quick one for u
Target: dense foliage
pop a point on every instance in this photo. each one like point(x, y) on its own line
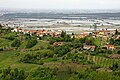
point(9, 74)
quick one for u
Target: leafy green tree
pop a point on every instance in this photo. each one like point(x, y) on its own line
point(112, 41)
point(114, 66)
point(9, 74)
point(108, 51)
point(16, 43)
point(61, 50)
point(67, 38)
point(117, 42)
point(118, 52)
point(31, 43)
point(27, 58)
point(40, 62)
point(43, 74)
point(63, 34)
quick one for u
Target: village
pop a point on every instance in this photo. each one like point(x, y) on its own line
point(98, 49)
point(104, 34)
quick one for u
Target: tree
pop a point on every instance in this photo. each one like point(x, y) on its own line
point(9, 74)
point(95, 26)
point(112, 41)
point(40, 62)
point(16, 43)
point(67, 38)
point(31, 43)
point(63, 34)
point(118, 52)
point(21, 75)
point(114, 66)
point(73, 34)
point(43, 74)
point(61, 50)
point(116, 32)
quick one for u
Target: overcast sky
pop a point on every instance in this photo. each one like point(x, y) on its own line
point(61, 4)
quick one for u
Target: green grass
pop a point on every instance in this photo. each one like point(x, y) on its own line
point(23, 44)
point(10, 59)
point(6, 58)
point(98, 41)
point(41, 45)
point(5, 42)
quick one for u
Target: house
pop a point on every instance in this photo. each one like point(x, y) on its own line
point(37, 32)
point(42, 32)
point(17, 30)
point(118, 37)
point(25, 31)
point(100, 33)
point(79, 36)
point(89, 47)
point(32, 31)
point(110, 47)
point(55, 34)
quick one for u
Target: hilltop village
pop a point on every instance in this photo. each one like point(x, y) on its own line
point(48, 54)
point(104, 37)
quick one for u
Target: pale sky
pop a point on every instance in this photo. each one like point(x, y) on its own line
point(61, 4)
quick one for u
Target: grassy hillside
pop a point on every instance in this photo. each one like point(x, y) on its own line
point(24, 57)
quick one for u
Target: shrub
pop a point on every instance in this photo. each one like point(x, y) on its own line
point(16, 43)
point(1, 49)
point(43, 74)
point(9, 74)
point(31, 43)
point(40, 62)
point(118, 52)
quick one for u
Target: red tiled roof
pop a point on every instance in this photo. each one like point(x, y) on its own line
point(110, 45)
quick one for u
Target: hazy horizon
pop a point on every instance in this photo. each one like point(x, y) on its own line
point(60, 4)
